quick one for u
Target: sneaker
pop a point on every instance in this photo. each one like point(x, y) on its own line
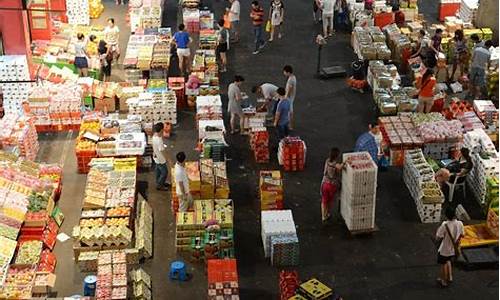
point(262, 46)
point(255, 52)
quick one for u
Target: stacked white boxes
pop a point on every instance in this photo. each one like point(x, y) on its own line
point(358, 193)
point(485, 161)
point(425, 191)
point(276, 223)
point(154, 107)
point(78, 12)
point(14, 68)
point(468, 10)
point(209, 116)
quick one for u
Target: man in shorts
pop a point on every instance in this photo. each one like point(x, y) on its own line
point(182, 40)
point(182, 183)
point(480, 63)
point(222, 45)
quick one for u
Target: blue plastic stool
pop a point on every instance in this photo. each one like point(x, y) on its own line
point(178, 271)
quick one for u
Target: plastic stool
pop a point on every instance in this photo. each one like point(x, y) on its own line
point(178, 271)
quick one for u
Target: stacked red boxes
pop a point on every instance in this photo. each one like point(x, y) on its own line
point(383, 19)
point(448, 8)
point(289, 283)
point(222, 279)
point(177, 84)
point(259, 142)
point(292, 154)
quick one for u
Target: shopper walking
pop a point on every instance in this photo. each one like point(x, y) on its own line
point(234, 18)
point(327, 6)
point(449, 234)
point(330, 182)
point(370, 142)
point(340, 15)
point(182, 183)
point(460, 54)
point(436, 41)
point(317, 11)
point(283, 112)
point(477, 41)
point(112, 38)
point(257, 16)
point(182, 41)
point(81, 57)
point(276, 15)
point(160, 157)
point(105, 59)
point(426, 86)
point(234, 103)
point(222, 45)
point(480, 63)
point(291, 90)
point(268, 92)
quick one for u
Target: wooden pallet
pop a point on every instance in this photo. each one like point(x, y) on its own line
point(364, 231)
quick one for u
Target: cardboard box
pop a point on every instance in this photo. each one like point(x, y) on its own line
point(105, 105)
point(44, 287)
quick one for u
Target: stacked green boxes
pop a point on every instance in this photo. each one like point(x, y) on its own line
point(491, 190)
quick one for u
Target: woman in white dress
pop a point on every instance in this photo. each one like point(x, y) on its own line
point(276, 15)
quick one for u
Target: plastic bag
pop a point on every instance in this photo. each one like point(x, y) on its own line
point(268, 26)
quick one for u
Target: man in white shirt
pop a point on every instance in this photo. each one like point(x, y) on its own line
point(182, 183)
point(291, 89)
point(268, 92)
point(112, 37)
point(160, 158)
point(327, 7)
point(450, 232)
point(234, 18)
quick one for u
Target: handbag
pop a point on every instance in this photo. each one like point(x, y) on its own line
point(268, 26)
point(456, 245)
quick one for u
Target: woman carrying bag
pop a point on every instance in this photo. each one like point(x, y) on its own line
point(448, 238)
point(276, 15)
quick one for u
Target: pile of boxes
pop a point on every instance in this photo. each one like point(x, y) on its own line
point(144, 229)
point(485, 162)
point(279, 237)
point(154, 107)
point(271, 190)
point(292, 153)
point(314, 289)
point(486, 111)
point(18, 135)
point(288, 283)
point(191, 19)
point(55, 104)
point(209, 117)
point(468, 11)
point(259, 143)
point(14, 68)
point(425, 191)
point(111, 275)
point(358, 192)
point(78, 12)
point(441, 138)
point(141, 284)
point(222, 275)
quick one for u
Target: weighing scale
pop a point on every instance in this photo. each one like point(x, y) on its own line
point(327, 72)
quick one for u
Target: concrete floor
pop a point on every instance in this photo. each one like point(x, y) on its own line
point(397, 262)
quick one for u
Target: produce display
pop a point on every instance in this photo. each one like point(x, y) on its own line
point(141, 284)
point(78, 12)
point(154, 107)
point(29, 253)
point(400, 135)
point(369, 43)
point(358, 192)
point(144, 229)
point(470, 121)
point(111, 275)
point(292, 154)
point(18, 283)
point(271, 190)
point(425, 191)
point(108, 203)
point(18, 135)
point(259, 143)
point(440, 137)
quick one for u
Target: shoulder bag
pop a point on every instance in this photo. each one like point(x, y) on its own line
point(456, 244)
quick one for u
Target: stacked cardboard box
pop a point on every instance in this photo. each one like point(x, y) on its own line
point(14, 68)
point(485, 161)
point(259, 143)
point(279, 223)
point(285, 251)
point(358, 193)
point(271, 190)
point(186, 228)
point(468, 11)
point(154, 107)
point(292, 154)
point(425, 191)
point(111, 275)
point(222, 279)
point(486, 111)
point(144, 229)
point(141, 284)
point(288, 283)
point(314, 289)
point(78, 12)
point(18, 135)
point(191, 18)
